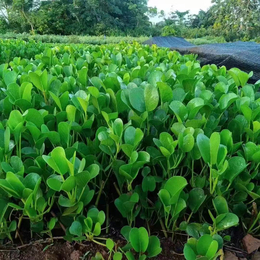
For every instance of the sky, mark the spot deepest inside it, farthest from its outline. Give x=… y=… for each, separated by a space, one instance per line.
x=181 y=5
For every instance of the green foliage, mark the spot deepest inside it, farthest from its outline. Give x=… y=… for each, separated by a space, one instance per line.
x=64 y=39
x=140 y=242
x=110 y=17
x=205 y=247
x=168 y=30
x=137 y=129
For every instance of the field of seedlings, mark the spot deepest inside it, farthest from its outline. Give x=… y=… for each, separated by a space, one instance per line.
x=127 y=147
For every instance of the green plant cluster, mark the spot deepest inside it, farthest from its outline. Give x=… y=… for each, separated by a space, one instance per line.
x=137 y=134
x=207 y=40
x=10 y=49
x=68 y=39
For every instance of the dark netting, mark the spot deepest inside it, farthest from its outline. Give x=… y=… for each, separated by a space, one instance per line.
x=243 y=55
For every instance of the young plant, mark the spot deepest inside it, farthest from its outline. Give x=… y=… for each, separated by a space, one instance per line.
x=87 y=227
x=204 y=248
x=173 y=203
x=72 y=178
x=140 y=242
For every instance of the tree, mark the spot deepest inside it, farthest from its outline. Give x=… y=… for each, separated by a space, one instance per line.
x=180 y=18
x=24 y=7
x=236 y=18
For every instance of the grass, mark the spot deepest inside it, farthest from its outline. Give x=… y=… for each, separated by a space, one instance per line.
x=207 y=40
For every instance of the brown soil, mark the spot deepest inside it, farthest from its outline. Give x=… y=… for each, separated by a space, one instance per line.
x=61 y=250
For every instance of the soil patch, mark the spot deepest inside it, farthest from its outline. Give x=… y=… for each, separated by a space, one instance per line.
x=61 y=250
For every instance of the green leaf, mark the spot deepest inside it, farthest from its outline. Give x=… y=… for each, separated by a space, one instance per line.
x=15 y=182
x=9 y=77
x=212 y=250
x=64 y=132
x=186 y=143
x=3 y=207
x=118 y=256
x=133 y=136
x=57 y=161
x=151 y=98
x=240 y=77
x=139 y=239
x=69 y=184
x=34 y=116
x=110 y=244
x=137 y=101
x=89 y=224
x=12 y=227
x=166 y=92
x=118 y=127
x=56 y=100
x=52 y=223
x=203 y=244
x=55 y=182
x=31 y=180
x=165 y=197
x=148 y=183
x=189 y=253
x=65 y=202
x=214 y=146
x=235 y=166
x=194 y=106
x=174 y=186
x=129 y=255
x=125 y=231
x=203 y=143
x=76 y=228
x=15 y=118
x=83 y=76
x=226 y=100
x=196 y=198
x=220 y=205
x=179 y=110
x=154 y=247
x=155 y=77
x=97 y=229
x=36 y=80
x=225 y=221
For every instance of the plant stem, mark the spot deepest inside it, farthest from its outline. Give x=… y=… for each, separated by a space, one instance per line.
x=99 y=194
x=163 y=227
x=117 y=189
x=19 y=225
x=107 y=218
x=101 y=244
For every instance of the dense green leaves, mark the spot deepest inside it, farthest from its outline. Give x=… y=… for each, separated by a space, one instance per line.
x=143 y=130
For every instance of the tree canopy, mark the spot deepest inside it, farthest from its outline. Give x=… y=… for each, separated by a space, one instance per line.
x=232 y=19
x=93 y=17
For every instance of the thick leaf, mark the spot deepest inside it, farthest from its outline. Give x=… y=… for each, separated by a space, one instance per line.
x=174 y=186
x=166 y=92
x=76 y=228
x=154 y=247
x=151 y=97
x=220 y=205
x=225 y=221
x=203 y=143
x=203 y=244
x=226 y=100
x=235 y=166
x=214 y=146
x=136 y=97
x=196 y=198
x=179 y=110
x=139 y=239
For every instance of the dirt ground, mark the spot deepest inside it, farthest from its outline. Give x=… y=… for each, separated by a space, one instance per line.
x=60 y=250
